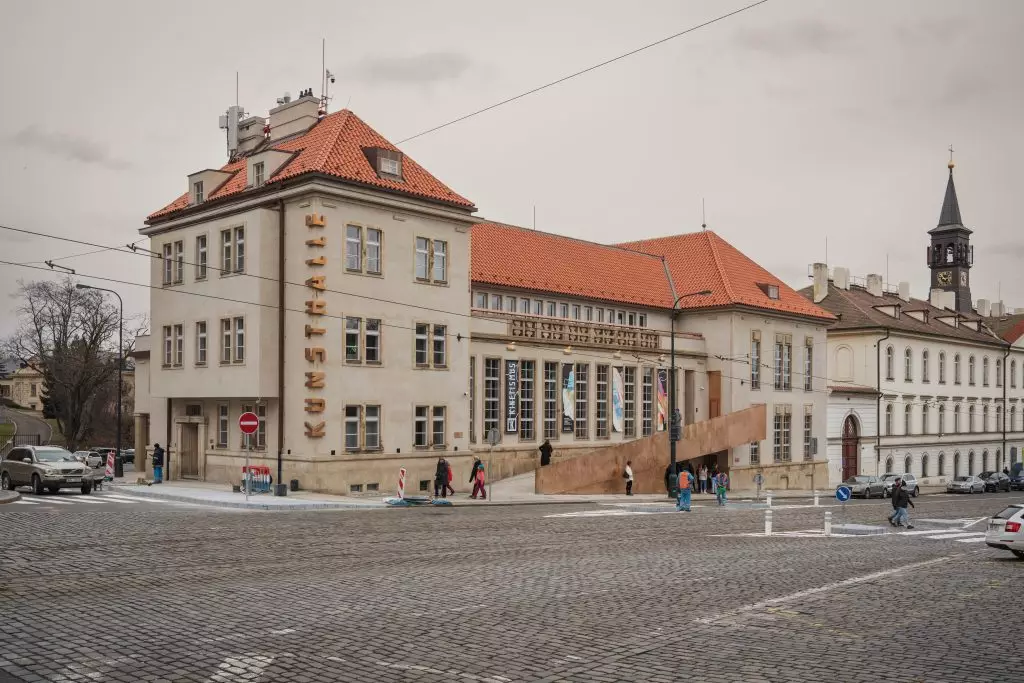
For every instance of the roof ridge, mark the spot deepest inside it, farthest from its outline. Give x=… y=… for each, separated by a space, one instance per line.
x=617 y=247
x=327 y=150
x=721 y=271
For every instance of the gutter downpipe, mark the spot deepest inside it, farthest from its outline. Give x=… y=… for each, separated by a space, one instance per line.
x=281 y=489
x=878 y=399
x=1006 y=415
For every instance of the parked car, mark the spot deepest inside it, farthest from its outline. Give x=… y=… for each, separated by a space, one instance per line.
x=995 y=481
x=90 y=458
x=1017 y=482
x=1006 y=530
x=865 y=486
x=966 y=484
x=909 y=483
x=44 y=468
x=128 y=455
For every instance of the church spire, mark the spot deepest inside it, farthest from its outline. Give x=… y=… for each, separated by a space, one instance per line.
x=950 y=214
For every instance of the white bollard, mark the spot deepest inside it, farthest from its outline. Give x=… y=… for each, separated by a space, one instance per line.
x=815 y=499
x=401 y=483
x=828 y=522
x=769 y=498
x=767 y=522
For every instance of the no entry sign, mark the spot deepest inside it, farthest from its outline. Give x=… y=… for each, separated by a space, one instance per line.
x=248 y=423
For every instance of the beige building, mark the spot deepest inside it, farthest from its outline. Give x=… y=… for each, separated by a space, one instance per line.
x=329 y=283
x=24 y=386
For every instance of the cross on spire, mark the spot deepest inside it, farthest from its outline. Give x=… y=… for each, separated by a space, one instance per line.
x=951 y=164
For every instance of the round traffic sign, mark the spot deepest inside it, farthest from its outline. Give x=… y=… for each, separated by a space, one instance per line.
x=248 y=423
x=843 y=494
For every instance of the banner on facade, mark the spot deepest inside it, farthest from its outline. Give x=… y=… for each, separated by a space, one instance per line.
x=511 y=396
x=662 y=400
x=568 y=398
x=617 y=409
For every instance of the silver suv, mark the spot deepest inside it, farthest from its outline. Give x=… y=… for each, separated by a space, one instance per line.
x=909 y=483
x=44 y=468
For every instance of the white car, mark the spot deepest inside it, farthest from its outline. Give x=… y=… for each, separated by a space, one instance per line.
x=90 y=458
x=1006 y=530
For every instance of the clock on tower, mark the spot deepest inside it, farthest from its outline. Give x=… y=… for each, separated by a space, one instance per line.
x=951 y=255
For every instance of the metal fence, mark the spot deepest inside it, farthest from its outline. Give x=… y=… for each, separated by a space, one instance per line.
x=20 y=440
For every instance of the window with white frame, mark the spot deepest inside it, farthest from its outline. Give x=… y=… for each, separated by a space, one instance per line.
x=492 y=394
x=808 y=364
x=942 y=367
x=422 y=345
x=755 y=452
x=168 y=262
x=225 y=340
x=421 y=427
x=550 y=400
x=889 y=373
x=782 y=434
x=353 y=414
x=232 y=250
x=925 y=377
x=808 y=433
x=261 y=430
x=588 y=313
x=600 y=315
x=582 y=401
x=527 y=403
x=551 y=309
x=202 y=257
x=371 y=340
x=510 y=304
x=363 y=249
x=480 y=300
x=563 y=310
x=353 y=339
x=371 y=428
x=888 y=420
x=497 y=302
x=258 y=173
x=755 y=359
x=437 y=431
x=239 y=340
x=908 y=365
x=432 y=260
x=222 y=425
x=908 y=419
x=179 y=262
x=647 y=399
x=538 y=307
x=179 y=344
x=601 y=397
x=629 y=401
x=201 y=344
x=440 y=345
x=643 y=320
x=524 y=306
x=198 y=193
x=168 y=347
x=631 y=319
x=577 y=312
x=354 y=250
x=783 y=362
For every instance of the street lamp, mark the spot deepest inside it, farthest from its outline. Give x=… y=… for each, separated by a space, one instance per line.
x=675 y=424
x=118 y=465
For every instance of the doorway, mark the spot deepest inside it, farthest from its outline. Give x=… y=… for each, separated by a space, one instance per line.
x=851 y=447
x=190 y=451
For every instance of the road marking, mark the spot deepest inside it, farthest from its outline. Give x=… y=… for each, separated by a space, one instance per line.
x=772 y=602
x=956 y=534
x=979 y=539
x=282 y=632
x=25 y=502
x=601 y=513
x=89 y=501
x=449 y=673
x=119 y=498
x=977 y=521
x=52 y=501
x=241 y=668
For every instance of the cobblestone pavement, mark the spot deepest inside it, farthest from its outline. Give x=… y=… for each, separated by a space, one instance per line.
x=158 y=593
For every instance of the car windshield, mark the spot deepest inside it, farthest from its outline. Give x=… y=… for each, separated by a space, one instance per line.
x=962 y=479
x=986 y=475
x=890 y=477
x=1009 y=512
x=856 y=480
x=53 y=455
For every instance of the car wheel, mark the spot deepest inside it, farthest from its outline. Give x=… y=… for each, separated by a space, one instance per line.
x=6 y=483
x=37 y=485
x=86 y=488
x=917 y=490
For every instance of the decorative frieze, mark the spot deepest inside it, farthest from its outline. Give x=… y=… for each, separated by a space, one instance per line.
x=575 y=332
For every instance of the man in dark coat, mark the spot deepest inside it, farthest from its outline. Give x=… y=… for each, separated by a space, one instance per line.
x=158 y=464
x=545 y=453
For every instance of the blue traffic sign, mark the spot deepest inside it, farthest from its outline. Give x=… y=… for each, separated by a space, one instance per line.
x=843 y=494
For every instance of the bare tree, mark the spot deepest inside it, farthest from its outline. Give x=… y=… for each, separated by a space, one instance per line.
x=70 y=336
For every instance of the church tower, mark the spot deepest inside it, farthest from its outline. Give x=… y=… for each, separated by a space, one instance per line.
x=951 y=255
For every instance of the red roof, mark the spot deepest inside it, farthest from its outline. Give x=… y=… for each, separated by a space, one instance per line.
x=704 y=261
x=509 y=256
x=334 y=147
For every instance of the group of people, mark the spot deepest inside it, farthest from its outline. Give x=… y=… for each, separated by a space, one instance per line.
x=443 y=479
x=689 y=482
x=900 y=516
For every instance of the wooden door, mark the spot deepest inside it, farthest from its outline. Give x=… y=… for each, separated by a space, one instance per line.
x=189 y=451
x=714 y=394
x=851 y=448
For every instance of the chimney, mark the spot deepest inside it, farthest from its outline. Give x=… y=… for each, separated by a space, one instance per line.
x=949 y=300
x=841 y=277
x=874 y=284
x=820 y=282
x=935 y=297
x=293 y=116
x=983 y=307
x=250 y=134
x=905 y=291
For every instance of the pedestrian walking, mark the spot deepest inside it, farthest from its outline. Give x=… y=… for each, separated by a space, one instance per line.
x=472 y=473
x=893 y=498
x=685 y=488
x=441 y=479
x=627 y=474
x=158 y=464
x=478 y=481
x=901 y=499
x=545 y=453
x=721 y=486
x=703 y=478
x=451 y=475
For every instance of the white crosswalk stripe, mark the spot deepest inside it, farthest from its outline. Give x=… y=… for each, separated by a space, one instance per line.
x=25 y=502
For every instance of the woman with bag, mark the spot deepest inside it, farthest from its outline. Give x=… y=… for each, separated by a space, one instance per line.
x=478 y=483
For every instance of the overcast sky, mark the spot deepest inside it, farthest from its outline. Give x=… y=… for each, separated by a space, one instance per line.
x=794 y=121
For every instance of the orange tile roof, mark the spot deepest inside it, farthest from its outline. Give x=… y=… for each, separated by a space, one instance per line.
x=510 y=256
x=703 y=260
x=334 y=147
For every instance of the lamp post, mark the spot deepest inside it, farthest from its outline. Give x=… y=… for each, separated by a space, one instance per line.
x=675 y=423
x=118 y=464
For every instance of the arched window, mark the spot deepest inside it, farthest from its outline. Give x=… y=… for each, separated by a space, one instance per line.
x=970 y=371
x=970 y=462
x=924 y=366
x=888 y=464
x=907 y=463
x=942 y=464
x=956 y=464
x=942 y=418
x=1013 y=374
x=970 y=418
x=942 y=367
x=908 y=419
x=984 y=419
x=984 y=371
x=888 y=419
x=984 y=461
x=956 y=419
x=956 y=369
x=924 y=465
x=889 y=363
x=924 y=419
x=999 y=418
x=908 y=365
x=999 y=373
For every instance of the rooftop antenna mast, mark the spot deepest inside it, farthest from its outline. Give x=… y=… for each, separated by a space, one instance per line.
x=703 y=216
x=326 y=78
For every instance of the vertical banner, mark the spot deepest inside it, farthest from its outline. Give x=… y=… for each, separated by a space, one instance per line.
x=617 y=411
x=568 y=398
x=511 y=396
x=662 y=400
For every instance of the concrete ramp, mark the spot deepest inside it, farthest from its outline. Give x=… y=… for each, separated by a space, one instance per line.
x=600 y=470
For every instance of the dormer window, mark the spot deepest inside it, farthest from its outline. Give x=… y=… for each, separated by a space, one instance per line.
x=388 y=166
x=258 y=174
x=197 y=191
x=771 y=291
x=386 y=162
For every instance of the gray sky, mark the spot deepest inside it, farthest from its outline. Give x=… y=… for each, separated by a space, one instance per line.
x=795 y=120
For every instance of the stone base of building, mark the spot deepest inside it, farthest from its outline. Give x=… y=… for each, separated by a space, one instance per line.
x=787 y=476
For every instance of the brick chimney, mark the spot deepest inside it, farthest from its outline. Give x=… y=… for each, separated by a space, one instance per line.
x=874 y=284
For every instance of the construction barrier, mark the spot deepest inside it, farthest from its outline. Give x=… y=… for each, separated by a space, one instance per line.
x=257 y=478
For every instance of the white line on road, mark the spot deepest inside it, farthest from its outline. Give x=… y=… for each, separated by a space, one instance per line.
x=54 y=501
x=120 y=499
x=25 y=502
x=771 y=602
x=282 y=631
x=956 y=534
x=89 y=501
x=977 y=521
x=978 y=539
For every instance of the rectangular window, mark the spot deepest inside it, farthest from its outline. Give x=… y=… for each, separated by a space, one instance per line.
x=225 y=341
x=438 y=432
x=258 y=173
x=239 y=340
x=374 y=250
x=527 y=375
x=492 y=394
x=440 y=346
x=643 y=320
x=647 y=402
x=588 y=313
x=632 y=320
x=582 y=401
x=576 y=311
x=371 y=435
x=809 y=364
x=510 y=304
x=551 y=309
x=353 y=332
x=600 y=315
x=179 y=344
x=808 y=427
x=783 y=362
x=222 y=426
x=524 y=306
x=601 y=397
x=420 y=437
x=168 y=347
x=201 y=257
x=201 y=343
x=432 y=260
x=354 y=248
x=179 y=262
x=480 y=300
x=563 y=310
x=550 y=400
x=620 y=317
x=197 y=192
x=629 y=401
x=538 y=307
x=472 y=399
x=168 y=264
x=755 y=452
x=239 y=250
x=232 y=248
x=497 y=302
x=261 y=430
x=755 y=360
x=781 y=435
x=226 y=252
x=352 y=414
x=372 y=340
x=422 y=353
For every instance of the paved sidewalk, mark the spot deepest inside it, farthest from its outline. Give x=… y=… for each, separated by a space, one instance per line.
x=9 y=497
x=221 y=495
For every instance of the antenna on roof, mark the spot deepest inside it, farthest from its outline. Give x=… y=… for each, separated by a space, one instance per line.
x=326 y=78
x=703 y=216
x=534 y=216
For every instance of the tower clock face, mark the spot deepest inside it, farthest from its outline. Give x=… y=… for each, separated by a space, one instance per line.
x=944 y=277
x=963 y=278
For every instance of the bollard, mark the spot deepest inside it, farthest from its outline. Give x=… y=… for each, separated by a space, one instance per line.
x=815 y=499
x=828 y=522
x=767 y=522
x=401 y=482
x=769 y=498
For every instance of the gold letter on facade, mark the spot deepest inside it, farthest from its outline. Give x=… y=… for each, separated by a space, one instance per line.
x=315 y=380
x=316 y=353
x=316 y=307
x=315 y=220
x=318 y=261
x=311 y=331
x=317 y=282
x=315 y=405
x=315 y=431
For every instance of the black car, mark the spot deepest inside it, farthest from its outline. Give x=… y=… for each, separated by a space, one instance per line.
x=995 y=481
x=1017 y=482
